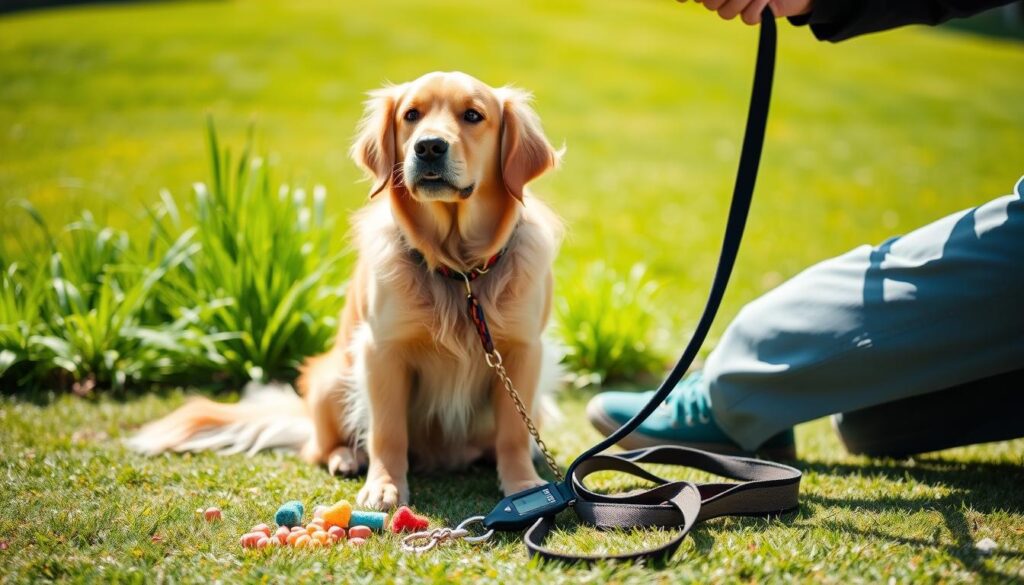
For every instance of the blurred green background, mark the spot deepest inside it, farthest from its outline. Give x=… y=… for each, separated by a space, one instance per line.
x=102 y=106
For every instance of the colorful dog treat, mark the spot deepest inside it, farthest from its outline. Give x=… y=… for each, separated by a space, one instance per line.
x=295 y=536
x=290 y=514
x=336 y=533
x=405 y=520
x=261 y=528
x=212 y=514
x=250 y=539
x=282 y=534
x=338 y=515
x=322 y=537
x=374 y=520
x=302 y=541
x=359 y=532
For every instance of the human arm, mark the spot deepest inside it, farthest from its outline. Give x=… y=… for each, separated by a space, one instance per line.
x=837 y=20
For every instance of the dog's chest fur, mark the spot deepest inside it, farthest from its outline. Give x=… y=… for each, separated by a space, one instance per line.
x=420 y=319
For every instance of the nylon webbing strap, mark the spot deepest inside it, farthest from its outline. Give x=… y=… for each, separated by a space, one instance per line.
x=763 y=487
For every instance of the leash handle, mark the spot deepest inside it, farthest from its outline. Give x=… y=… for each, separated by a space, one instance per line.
x=743 y=193
x=763 y=488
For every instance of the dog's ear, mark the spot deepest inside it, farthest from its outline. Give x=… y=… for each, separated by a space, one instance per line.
x=374 y=146
x=525 y=152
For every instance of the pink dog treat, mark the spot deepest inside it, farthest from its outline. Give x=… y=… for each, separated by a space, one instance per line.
x=357 y=541
x=212 y=514
x=360 y=532
x=261 y=528
x=336 y=533
x=282 y=534
x=250 y=539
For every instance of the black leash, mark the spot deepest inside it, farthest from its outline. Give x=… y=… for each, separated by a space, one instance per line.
x=743 y=193
x=763 y=488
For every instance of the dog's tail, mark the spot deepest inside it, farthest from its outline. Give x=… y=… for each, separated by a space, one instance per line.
x=269 y=416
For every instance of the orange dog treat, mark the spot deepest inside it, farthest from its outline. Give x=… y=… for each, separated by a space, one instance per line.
x=295 y=536
x=261 y=528
x=338 y=514
x=263 y=542
x=360 y=532
x=322 y=538
x=303 y=541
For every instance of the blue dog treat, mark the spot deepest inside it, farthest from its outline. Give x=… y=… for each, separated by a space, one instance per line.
x=372 y=520
x=290 y=514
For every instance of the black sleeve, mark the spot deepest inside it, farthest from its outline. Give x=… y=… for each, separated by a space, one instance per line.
x=837 y=20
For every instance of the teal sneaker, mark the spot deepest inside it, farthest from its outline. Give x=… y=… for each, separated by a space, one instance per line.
x=684 y=419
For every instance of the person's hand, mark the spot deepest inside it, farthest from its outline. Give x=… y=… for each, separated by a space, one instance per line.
x=751 y=10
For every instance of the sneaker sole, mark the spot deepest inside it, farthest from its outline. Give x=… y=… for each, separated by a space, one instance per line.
x=636 y=440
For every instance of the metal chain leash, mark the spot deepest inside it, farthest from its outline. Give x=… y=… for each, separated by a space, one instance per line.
x=432 y=538
x=494 y=361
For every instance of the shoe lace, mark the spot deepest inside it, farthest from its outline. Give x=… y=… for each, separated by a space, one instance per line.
x=690 y=399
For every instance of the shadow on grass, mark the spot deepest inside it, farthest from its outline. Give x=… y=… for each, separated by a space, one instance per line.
x=986 y=488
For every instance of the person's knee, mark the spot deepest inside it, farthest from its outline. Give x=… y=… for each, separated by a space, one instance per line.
x=809 y=319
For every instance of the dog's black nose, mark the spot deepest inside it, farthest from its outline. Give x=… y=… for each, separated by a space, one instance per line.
x=430 y=148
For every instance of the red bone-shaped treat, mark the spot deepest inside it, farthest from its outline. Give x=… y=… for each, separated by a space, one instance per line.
x=405 y=520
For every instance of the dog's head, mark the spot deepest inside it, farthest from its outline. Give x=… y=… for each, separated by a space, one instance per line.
x=445 y=136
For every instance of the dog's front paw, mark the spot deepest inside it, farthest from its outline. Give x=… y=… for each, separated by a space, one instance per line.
x=382 y=494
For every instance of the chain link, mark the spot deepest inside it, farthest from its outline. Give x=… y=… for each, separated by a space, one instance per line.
x=494 y=360
x=432 y=538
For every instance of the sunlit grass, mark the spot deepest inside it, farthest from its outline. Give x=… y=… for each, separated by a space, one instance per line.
x=103 y=107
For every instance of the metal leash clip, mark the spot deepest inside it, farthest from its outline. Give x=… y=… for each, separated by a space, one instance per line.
x=439 y=535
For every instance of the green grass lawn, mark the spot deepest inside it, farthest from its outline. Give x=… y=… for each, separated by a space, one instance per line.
x=78 y=507
x=103 y=106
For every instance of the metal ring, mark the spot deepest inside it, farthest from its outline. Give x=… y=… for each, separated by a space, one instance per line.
x=473 y=520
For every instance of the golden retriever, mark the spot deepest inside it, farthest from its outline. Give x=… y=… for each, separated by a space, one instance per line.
x=406 y=379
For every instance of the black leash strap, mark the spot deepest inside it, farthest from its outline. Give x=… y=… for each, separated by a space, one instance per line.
x=763 y=487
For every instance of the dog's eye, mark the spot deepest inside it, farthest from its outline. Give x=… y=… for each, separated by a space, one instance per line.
x=472 y=116
x=412 y=115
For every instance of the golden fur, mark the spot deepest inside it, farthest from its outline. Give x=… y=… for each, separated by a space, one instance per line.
x=406 y=377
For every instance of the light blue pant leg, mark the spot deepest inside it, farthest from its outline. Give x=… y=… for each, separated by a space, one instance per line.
x=940 y=306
